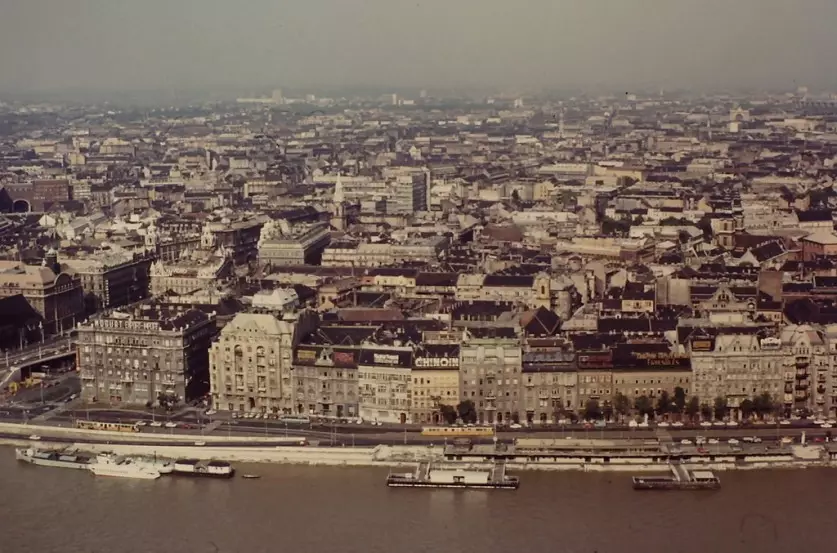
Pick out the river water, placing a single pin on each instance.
(343, 510)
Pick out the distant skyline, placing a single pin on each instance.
(206, 45)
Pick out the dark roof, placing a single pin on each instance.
(436, 279)
(516, 281)
(540, 322)
(814, 215)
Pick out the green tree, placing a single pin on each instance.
(720, 407)
(705, 411)
(664, 403)
(467, 411)
(621, 404)
(592, 410)
(747, 408)
(693, 408)
(679, 399)
(644, 406)
(448, 413)
(607, 411)
(763, 404)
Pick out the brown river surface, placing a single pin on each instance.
(345, 510)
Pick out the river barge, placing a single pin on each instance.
(426, 476)
(210, 469)
(58, 458)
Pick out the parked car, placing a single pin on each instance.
(155, 424)
(141, 423)
(663, 424)
(732, 441)
(677, 424)
(171, 425)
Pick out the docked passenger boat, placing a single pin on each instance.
(425, 476)
(123, 467)
(194, 467)
(53, 458)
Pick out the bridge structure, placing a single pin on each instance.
(17, 365)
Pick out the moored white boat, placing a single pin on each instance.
(108, 465)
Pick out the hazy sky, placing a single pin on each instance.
(198, 44)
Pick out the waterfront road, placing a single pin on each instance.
(337, 436)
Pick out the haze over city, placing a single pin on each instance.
(101, 45)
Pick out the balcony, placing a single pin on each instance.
(530, 384)
(491, 396)
(543, 394)
(801, 386)
(802, 362)
(801, 374)
(325, 400)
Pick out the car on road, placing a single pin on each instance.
(210, 412)
(663, 424)
(686, 442)
(171, 425)
(141, 423)
(677, 424)
(787, 440)
(713, 441)
(706, 424)
(155, 424)
(732, 423)
(515, 426)
(785, 422)
(719, 423)
(700, 440)
(826, 425)
(34, 437)
(732, 441)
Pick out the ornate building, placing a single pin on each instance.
(146, 353)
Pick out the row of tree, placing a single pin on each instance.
(761, 405)
(677, 404)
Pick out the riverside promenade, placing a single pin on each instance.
(586, 455)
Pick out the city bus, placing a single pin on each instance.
(109, 426)
(458, 431)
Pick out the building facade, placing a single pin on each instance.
(141, 355)
(490, 374)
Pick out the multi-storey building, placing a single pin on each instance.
(252, 363)
(490, 374)
(550, 379)
(146, 353)
(112, 279)
(281, 245)
(384, 383)
(56, 295)
(807, 367)
(326, 380)
(740, 366)
(239, 239)
(435, 381)
(186, 275)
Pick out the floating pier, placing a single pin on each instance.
(681, 479)
(426, 476)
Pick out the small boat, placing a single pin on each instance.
(250, 476)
